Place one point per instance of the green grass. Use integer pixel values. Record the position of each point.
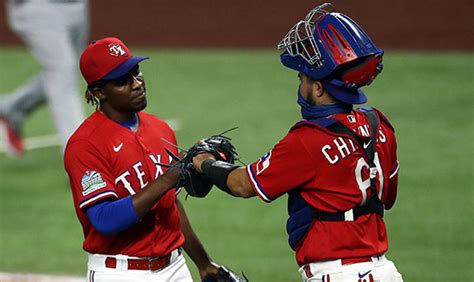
(427, 96)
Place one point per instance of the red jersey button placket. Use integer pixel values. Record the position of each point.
(142, 144)
(146, 153)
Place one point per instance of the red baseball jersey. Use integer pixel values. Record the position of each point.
(105, 160)
(333, 176)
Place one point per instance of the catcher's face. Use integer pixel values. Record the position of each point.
(125, 95)
(306, 88)
(311, 90)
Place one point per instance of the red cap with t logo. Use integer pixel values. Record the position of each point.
(107, 59)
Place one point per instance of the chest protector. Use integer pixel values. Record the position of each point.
(301, 214)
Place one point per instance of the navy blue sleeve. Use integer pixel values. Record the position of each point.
(111, 217)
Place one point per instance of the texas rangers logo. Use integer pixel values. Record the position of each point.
(117, 50)
(264, 162)
(91, 181)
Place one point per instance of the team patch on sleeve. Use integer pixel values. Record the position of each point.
(256, 185)
(264, 162)
(91, 181)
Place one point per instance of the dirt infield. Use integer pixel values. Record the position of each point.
(401, 24)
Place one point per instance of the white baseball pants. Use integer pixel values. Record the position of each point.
(380, 269)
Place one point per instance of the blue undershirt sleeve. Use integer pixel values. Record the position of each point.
(110, 217)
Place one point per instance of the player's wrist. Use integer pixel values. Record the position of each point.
(209, 268)
(170, 178)
(218, 172)
(198, 160)
(206, 164)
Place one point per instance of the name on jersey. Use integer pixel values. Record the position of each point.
(339, 148)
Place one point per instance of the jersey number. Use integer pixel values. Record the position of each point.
(365, 184)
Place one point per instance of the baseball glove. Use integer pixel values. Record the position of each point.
(196, 184)
(225, 275)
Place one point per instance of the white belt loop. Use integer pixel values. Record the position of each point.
(96, 262)
(122, 262)
(175, 254)
(379, 260)
(349, 215)
(319, 268)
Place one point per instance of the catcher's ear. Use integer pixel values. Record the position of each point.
(317, 88)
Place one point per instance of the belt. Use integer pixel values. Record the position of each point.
(308, 270)
(355, 260)
(152, 264)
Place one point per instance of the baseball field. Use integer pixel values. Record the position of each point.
(427, 96)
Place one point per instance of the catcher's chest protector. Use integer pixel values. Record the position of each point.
(302, 214)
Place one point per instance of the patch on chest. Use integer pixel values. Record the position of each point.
(91, 181)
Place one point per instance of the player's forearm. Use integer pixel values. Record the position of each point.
(239, 183)
(192, 245)
(144, 200)
(227, 177)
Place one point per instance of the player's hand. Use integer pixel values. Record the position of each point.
(180, 156)
(220, 273)
(209, 270)
(198, 159)
(172, 175)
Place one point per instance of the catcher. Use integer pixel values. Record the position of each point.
(338, 165)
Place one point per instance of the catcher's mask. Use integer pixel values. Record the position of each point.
(332, 48)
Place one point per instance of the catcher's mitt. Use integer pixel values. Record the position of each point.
(198, 185)
(225, 275)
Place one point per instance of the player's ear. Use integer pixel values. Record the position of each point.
(317, 88)
(98, 92)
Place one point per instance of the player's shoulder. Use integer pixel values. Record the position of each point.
(87, 127)
(351, 120)
(309, 133)
(383, 118)
(155, 122)
(92, 128)
(151, 118)
(144, 116)
(308, 126)
(316, 123)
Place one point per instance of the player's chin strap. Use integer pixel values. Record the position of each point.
(373, 204)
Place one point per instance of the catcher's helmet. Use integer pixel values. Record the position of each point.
(332, 48)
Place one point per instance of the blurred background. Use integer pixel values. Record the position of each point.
(214, 66)
(403, 24)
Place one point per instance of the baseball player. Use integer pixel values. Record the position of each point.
(338, 165)
(135, 229)
(55, 32)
